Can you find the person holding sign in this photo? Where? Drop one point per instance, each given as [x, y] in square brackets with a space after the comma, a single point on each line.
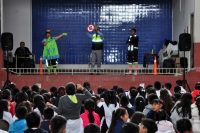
[97, 45]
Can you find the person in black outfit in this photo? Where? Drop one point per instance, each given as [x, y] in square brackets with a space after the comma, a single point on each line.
[33, 123]
[132, 43]
[48, 114]
[22, 53]
[22, 50]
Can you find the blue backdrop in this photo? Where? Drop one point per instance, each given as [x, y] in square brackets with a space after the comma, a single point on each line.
[152, 18]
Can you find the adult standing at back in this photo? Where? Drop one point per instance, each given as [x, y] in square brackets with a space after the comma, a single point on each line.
[97, 39]
[70, 105]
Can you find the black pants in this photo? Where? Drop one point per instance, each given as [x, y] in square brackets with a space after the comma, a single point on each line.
[52, 62]
[132, 56]
[25, 63]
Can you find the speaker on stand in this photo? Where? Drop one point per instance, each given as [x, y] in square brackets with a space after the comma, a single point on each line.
[7, 45]
[185, 45]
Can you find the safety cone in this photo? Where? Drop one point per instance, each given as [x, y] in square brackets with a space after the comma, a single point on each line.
[136, 69]
[41, 67]
[155, 67]
[130, 69]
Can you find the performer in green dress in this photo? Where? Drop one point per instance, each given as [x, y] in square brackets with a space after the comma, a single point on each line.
[50, 52]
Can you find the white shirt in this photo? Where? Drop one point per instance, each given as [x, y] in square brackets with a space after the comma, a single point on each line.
[195, 118]
[2, 131]
[8, 117]
[108, 112]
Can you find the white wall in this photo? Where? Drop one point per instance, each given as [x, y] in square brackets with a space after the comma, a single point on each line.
[182, 10]
[17, 19]
[197, 22]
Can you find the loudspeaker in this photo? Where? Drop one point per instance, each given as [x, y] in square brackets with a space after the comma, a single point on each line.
[184, 62]
[185, 42]
[7, 41]
[169, 63]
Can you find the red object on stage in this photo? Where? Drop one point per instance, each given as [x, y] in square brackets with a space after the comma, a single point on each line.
[90, 28]
[155, 66]
[41, 67]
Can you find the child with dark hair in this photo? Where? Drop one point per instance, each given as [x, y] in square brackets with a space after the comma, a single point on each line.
[184, 126]
[14, 92]
[181, 83]
[133, 93]
[148, 88]
[25, 89]
[33, 123]
[43, 91]
[137, 117]
[176, 97]
[39, 105]
[164, 126]
[124, 101]
[156, 107]
[168, 86]
[58, 124]
[35, 88]
[100, 90]
[20, 97]
[19, 125]
[89, 116]
[87, 86]
[177, 89]
[130, 128]
[26, 104]
[147, 126]
[4, 126]
[61, 92]
[47, 97]
[195, 107]
[182, 109]
[4, 113]
[141, 91]
[53, 91]
[48, 114]
[139, 103]
[119, 117]
[53, 94]
[157, 86]
[150, 91]
[6, 94]
[167, 101]
[148, 107]
[107, 108]
[92, 128]
[120, 91]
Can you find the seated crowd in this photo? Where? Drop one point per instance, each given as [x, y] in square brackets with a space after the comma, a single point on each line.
[75, 108]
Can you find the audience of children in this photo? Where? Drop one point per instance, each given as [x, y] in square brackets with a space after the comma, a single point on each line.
[77, 109]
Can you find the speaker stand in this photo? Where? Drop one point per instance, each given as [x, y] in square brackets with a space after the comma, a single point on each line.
[7, 83]
[185, 83]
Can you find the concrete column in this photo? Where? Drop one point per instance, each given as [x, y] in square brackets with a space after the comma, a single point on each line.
[197, 22]
[197, 34]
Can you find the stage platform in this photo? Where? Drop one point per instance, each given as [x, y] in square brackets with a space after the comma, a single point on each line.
[104, 66]
[84, 69]
[107, 76]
